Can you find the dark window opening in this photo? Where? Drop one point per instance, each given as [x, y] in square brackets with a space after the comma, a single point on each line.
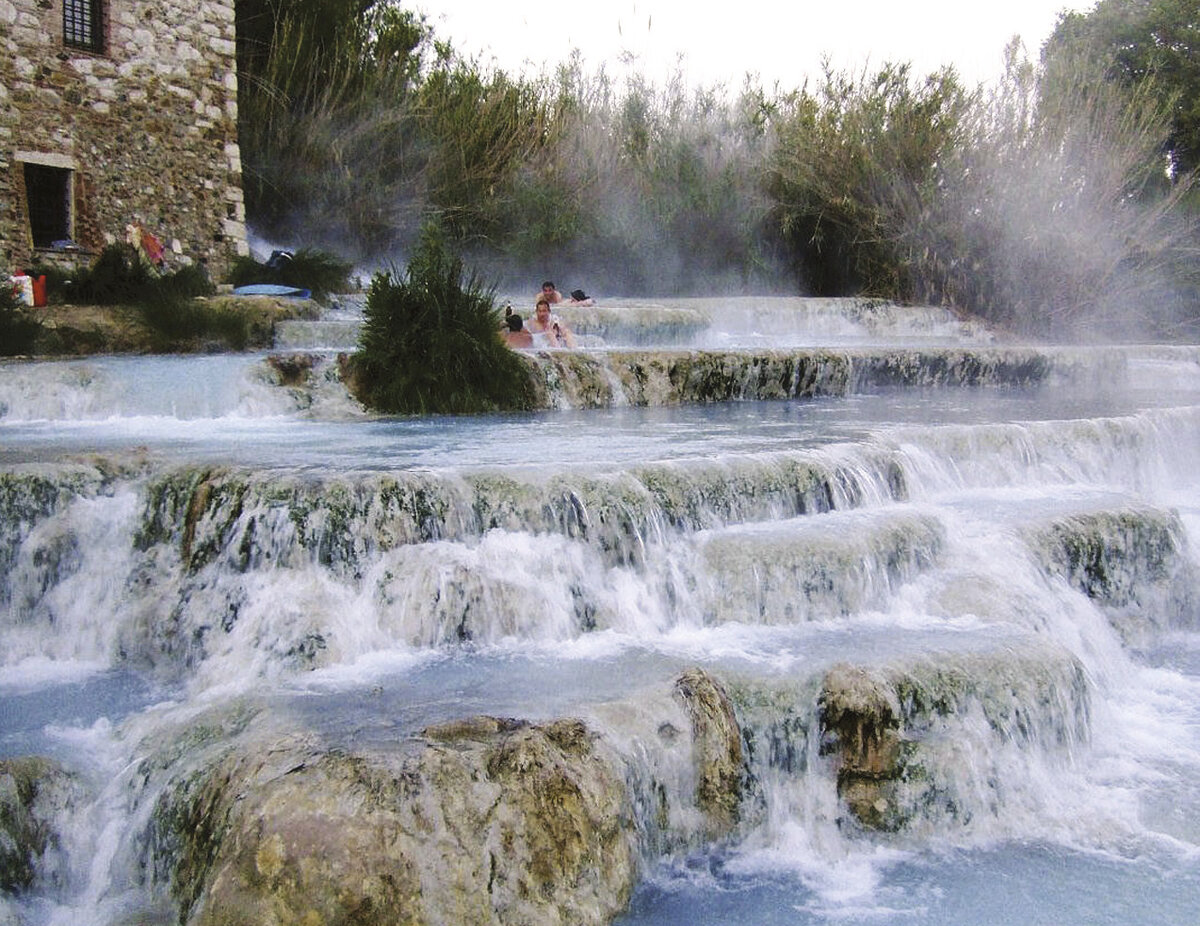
[48, 195]
[83, 24]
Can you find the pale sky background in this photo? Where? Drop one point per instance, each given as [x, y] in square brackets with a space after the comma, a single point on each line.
[778, 40]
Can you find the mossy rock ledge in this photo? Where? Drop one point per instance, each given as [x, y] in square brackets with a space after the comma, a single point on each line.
[480, 821]
[915, 741]
[35, 793]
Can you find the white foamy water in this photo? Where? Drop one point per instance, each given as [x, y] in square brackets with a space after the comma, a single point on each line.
[181, 537]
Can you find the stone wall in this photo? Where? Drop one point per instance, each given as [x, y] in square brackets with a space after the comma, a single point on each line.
[147, 127]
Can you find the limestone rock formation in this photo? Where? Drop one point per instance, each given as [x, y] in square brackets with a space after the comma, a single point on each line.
[717, 749]
[1133, 561]
[480, 821]
[34, 793]
[860, 717]
[919, 740]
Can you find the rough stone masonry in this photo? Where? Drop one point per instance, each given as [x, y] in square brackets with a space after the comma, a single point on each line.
[116, 113]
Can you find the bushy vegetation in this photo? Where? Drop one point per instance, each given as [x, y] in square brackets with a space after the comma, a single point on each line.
[167, 303]
[1132, 40]
[430, 342]
[1044, 204]
[118, 276]
[857, 170]
[177, 322]
[1070, 224]
[650, 190]
[320, 272]
[18, 330]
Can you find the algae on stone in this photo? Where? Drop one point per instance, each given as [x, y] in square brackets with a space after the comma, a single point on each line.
[478, 821]
[898, 733]
[1131, 561]
[36, 795]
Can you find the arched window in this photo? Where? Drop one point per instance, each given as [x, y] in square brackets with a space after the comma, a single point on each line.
[83, 24]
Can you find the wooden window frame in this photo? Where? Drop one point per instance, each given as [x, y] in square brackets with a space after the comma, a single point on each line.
[67, 169]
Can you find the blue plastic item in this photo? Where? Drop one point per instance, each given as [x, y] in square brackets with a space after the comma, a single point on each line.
[272, 289]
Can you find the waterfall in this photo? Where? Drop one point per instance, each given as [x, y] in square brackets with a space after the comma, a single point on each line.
[837, 629]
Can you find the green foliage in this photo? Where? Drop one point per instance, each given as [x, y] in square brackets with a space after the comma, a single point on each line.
[652, 190]
[184, 283]
[324, 117]
[1041, 204]
[166, 303]
[1065, 223]
[17, 330]
[855, 174]
[169, 306]
[176, 322]
[1138, 39]
[117, 277]
[482, 128]
[318, 271]
[430, 342]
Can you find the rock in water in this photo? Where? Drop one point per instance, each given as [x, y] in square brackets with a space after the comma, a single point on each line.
[34, 794]
[717, 748]
[480, 821]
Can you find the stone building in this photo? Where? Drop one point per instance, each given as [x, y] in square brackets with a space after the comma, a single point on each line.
[119, 113]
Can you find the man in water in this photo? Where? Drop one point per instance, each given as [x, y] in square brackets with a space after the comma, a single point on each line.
[514, 332]
[548, 329]
[550, 294]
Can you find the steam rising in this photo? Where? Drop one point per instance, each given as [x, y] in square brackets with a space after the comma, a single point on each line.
[1042, 206]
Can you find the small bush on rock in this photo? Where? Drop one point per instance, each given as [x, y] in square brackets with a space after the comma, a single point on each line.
[118, 277]
[431, 344]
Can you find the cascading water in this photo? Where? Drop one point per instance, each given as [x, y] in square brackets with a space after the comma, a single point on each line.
[918, 645]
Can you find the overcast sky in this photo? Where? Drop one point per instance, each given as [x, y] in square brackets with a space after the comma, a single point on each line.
[780, 41]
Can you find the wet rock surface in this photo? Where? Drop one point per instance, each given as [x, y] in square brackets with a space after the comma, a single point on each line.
[35, 793]
[483, 820]
[479, 820]
[1134, 562]
[917, 741]
[717, 749]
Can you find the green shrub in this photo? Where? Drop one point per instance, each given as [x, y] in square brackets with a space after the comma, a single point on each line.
[118, 277]
[17, 330]
[170, 307]
[184, 283]
[178, 322]
[856, 173]
[320, 272]
[431, 344]
[167, 304]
